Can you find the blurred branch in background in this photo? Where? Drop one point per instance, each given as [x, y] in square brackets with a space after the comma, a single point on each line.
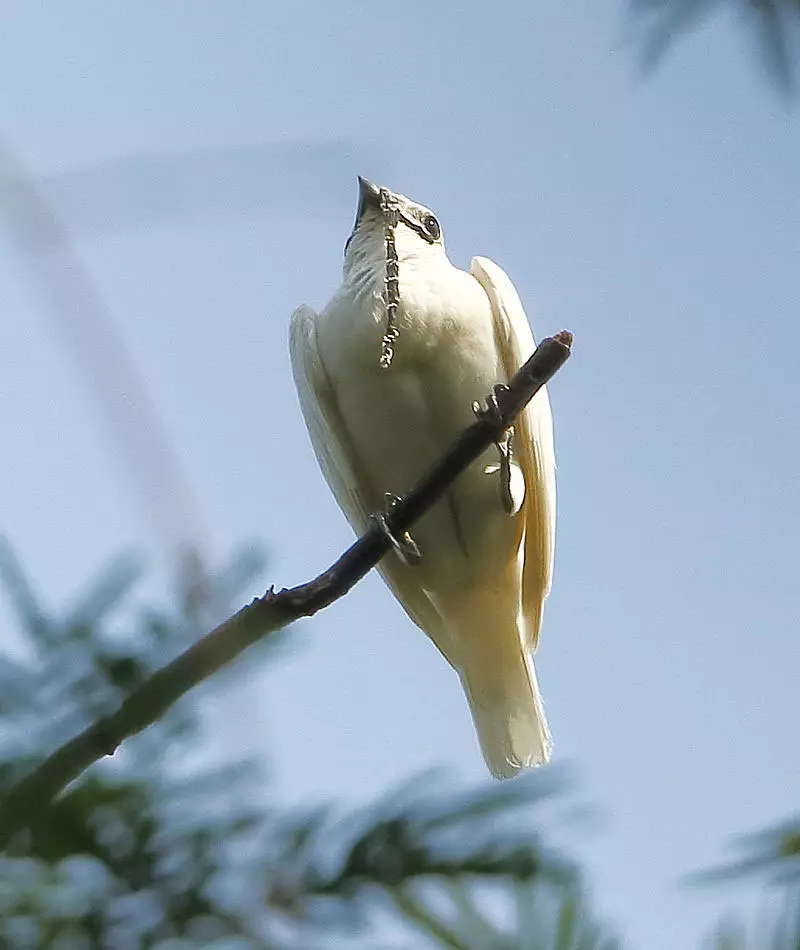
[86, 325]
[774, 25]
[153, 697]
[773, 853]
[203, 186]
[149, 848]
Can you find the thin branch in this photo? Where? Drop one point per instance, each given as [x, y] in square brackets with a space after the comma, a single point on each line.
[145, 705]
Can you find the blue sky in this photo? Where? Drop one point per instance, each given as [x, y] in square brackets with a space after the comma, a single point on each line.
[659, 220]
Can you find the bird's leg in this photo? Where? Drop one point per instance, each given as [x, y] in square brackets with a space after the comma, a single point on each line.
[504, 448]
[506, 453]
[404, 546]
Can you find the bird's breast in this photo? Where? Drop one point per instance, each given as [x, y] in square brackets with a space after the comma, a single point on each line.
[442, 312]
[401, 419]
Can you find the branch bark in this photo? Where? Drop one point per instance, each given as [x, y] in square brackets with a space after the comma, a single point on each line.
[146, 704]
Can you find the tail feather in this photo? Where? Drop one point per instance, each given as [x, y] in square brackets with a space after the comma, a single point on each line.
[510, 720]
[499, 680]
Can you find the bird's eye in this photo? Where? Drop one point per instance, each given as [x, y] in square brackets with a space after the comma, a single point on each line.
[431, 225]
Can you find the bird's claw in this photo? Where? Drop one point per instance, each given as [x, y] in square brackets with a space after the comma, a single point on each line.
[491, 410]
[405, 546]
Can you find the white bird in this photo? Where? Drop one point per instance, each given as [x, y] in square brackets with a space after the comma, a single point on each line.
[476, 574]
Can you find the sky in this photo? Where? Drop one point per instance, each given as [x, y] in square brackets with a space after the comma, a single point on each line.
[203, 163]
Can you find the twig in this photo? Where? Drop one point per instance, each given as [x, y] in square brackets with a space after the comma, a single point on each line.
[146, 704]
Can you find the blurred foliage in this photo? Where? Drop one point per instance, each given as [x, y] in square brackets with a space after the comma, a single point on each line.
[772, 854]
[773, 24]
[147, 850]
[777, 927]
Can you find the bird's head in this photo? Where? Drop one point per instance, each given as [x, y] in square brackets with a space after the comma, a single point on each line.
[418, 234]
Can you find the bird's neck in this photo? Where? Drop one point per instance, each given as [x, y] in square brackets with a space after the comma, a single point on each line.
[365, 266]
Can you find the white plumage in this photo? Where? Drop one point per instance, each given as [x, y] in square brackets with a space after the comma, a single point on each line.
[479, 589]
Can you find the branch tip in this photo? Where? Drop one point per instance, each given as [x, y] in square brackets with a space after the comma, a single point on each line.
[564, 337]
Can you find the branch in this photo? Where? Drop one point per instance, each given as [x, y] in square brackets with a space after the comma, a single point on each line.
[22, 805]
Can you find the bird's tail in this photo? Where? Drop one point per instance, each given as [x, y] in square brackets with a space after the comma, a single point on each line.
[499, 679]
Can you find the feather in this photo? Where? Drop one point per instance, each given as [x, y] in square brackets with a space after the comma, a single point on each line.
[534, 449]
[499, 679]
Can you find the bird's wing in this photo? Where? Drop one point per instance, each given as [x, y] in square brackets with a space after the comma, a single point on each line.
[533, 443]
[338, 458]
[329, 436]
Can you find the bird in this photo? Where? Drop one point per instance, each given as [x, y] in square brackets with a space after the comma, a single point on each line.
[387, 375]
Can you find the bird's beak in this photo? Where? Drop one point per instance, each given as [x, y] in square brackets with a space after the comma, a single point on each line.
[369, 197]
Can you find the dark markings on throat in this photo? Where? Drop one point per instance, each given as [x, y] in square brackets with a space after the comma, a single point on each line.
[462, 543]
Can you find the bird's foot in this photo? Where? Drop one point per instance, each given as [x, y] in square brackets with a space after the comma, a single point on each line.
[405, 546]
[505, 449]
[491, 410]
[511, 481]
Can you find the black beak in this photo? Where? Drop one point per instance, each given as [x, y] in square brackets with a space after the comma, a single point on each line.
[369, 197]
